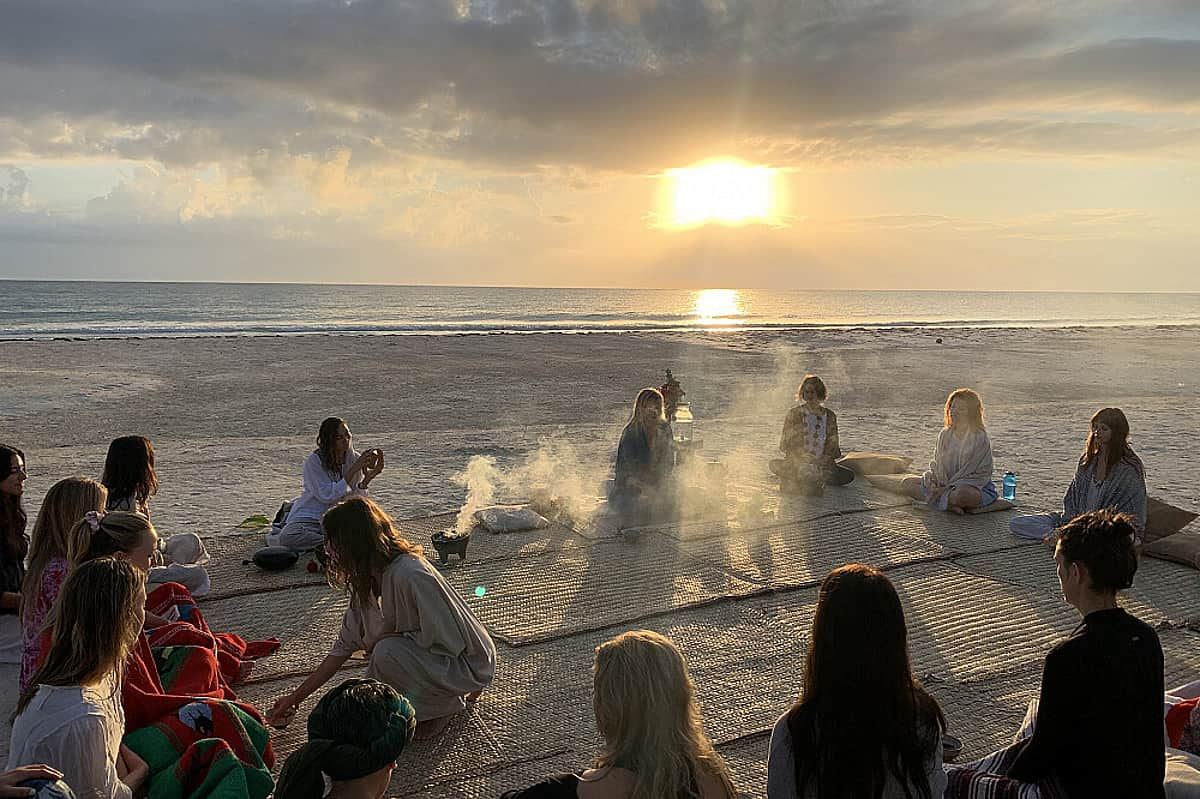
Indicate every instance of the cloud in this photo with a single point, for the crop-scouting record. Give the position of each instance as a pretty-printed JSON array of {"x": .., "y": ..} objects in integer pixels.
[{"x": 616, "y": 85}]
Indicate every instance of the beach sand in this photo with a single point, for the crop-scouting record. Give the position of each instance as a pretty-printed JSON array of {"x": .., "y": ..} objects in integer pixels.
[{"x": 233, "y": 418}]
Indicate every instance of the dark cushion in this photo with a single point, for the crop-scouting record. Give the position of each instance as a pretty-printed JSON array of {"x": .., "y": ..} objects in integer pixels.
[{"x": 1164, "y": 520}]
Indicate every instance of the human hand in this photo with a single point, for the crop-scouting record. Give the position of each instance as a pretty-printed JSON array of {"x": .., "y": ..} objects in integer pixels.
[
  {"x": 282, "y": 712},
  {"x": 9, "y": 780},
  {"x": 136, "y": 769}
]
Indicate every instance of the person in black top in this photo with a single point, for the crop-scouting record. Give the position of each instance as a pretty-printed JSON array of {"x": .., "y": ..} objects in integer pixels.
[
  {"x": 1098, "y": 728},
  {"x": 642, "y": 492}
]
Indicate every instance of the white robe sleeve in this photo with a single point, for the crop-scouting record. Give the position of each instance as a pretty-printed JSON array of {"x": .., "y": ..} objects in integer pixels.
[
  {"x": 320, "y": 484},
  {"x": 79, "y": 751}
]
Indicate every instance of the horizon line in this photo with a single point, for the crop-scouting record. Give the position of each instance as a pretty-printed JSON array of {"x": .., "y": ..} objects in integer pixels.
[{"x": 583, "y": 288}]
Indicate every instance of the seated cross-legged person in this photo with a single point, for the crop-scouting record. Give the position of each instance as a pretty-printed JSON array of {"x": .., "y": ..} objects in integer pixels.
[
  {"x": 864, "y": 725},
  {"x": 1109, "y": 475},
  {"x": 332, "y": 472},
  {"x": 642, "y": 490},
  {"x": 1097, "y": 726},
  {"x": 810, "y": 443},
  {"x": 959, "y": 478}
]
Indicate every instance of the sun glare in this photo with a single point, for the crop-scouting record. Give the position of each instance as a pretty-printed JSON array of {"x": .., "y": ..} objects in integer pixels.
[
  {"x": 723, "y": 191},
  {"x": 717, "y": 306}
]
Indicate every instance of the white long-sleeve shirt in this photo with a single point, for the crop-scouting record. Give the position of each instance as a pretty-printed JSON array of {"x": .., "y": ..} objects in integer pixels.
[
  {"x": 322, "y": 489},
  {"x": 77, "y": 730}
]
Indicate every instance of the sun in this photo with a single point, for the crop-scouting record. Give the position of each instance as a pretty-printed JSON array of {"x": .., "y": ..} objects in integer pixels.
[
  {"x": 724, "y": 191},
  {"x": 717, "y": 306}
]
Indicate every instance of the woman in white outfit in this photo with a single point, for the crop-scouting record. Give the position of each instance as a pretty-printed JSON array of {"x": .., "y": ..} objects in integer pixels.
[
  {"x": 332, "y": 472},
  {"x": 70, "y": 715}
]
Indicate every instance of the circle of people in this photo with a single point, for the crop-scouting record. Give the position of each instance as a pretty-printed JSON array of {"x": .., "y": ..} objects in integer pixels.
[{"x": 109, "y": 672}]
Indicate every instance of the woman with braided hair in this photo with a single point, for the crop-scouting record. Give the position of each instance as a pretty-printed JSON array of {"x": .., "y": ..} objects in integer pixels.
[{"x": 355, "y": 734}]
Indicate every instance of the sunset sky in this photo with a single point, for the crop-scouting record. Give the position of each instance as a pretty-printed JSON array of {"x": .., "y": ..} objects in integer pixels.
[{"x": 956, "y": 145}]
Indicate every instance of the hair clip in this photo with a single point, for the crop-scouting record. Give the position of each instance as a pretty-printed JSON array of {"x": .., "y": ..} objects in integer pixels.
[{"x": 93, "y": 518}]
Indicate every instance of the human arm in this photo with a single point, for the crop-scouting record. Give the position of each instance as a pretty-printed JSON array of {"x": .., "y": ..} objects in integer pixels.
[
  {"x": 791, "y": 440},
  {"x": 9, "y": 780},
  {"x": 781, "y": 762},
  {"x": 79, "y": 750},
  {"x": 976, "y": 464},
  {"x": 132, "y": 770},
  {"x": 285, "y": 707},
  {"x": 1059, "y": 707},
  {"x": 372, "y": 470},
  {"x": 320, "y": 483},
  {"x": 833, "y": 448}
]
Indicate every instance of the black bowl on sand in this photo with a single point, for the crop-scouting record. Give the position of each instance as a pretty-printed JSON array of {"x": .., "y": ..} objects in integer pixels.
[{"x": 447, "y": 543}]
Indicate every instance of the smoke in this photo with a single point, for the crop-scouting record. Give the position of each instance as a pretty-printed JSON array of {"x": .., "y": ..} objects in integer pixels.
[
  {"x": 480, "y": 479},
  {"x": 560, "y": 479}
]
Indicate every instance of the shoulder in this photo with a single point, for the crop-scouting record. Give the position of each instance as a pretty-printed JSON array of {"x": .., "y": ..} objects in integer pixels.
[
  {"x": 608, "y": 782},
  {"x": 830, "y": 415},
  {"x": 781, "y": 736},
  {"x": 553, "y": 787},
  {"x": 1133, "y": 463}
]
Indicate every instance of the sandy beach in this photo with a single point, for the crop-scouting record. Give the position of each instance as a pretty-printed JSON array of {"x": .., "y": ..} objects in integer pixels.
[{"x": 232, "y": 419}]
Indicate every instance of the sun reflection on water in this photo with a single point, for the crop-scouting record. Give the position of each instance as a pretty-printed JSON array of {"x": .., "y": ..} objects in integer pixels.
[{"x": 717, "y": 306}]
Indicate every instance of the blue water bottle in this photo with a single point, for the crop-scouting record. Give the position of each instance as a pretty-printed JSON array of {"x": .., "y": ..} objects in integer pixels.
[{"x": 1010, "y": 486}]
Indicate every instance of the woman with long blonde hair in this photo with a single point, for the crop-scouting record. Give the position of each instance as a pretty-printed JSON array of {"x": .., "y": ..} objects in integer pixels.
[
  {"x": 70, "y": 714},
  {"x": 654, "y": 744},
  {"x": 959, "y": 477},
  {"x": 421, "y": 637},
  {"x": 65, "y": 505}
]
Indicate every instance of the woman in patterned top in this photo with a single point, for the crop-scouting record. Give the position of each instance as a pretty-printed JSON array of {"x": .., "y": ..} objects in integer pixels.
[
  {"x": 810, "y": 443},
  {"x": 65, "y": 504}
]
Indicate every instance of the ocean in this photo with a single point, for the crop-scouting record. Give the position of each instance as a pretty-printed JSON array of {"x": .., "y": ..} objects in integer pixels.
[{"x": 66, "y": 309}]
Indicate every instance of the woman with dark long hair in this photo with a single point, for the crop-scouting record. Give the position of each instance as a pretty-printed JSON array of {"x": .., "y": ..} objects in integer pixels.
[
  {"x": 863, "y": 727},
  {"x": 420, "y": 636},
  {"x": 332, "y": 472},
  {"x": 14, "y": 547},
  {"x": 641, "y": 490},
  {"x": 1109, "y": 475},
  {"x": 355, "y": 735},
  {"x": 129, "y": 474}
]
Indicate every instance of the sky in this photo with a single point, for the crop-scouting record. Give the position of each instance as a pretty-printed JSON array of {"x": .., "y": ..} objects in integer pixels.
[{"x": 929, "y": 145}]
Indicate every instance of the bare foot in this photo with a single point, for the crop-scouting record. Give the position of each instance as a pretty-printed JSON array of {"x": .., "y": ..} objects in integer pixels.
[
  {"x": 474, "y": 697},
  {"x": 431, "y": 728}
]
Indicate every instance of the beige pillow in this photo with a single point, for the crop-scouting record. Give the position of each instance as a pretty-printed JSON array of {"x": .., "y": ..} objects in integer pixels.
[
  {"x": 865, "y": 463},
  {"x": 1164, "y": 520},
  {"x": 1183, "y": 775},
  {"x": 1182, "y": 548},
  {"x": 889, "y": 482}
]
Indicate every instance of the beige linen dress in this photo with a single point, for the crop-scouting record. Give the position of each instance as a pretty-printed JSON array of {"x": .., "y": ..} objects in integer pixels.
[{"x": 430, "y": 648}]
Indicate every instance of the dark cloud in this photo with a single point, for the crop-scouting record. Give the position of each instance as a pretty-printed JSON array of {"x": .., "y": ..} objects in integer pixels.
[{"x": 620, "y": 85}]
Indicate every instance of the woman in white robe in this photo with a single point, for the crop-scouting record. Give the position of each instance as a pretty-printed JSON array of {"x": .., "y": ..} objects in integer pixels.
[{"x": 419, "y": 634}]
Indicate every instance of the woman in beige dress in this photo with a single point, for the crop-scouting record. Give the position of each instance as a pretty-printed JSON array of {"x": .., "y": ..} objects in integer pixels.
[{"x": 419, "y": 634}]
